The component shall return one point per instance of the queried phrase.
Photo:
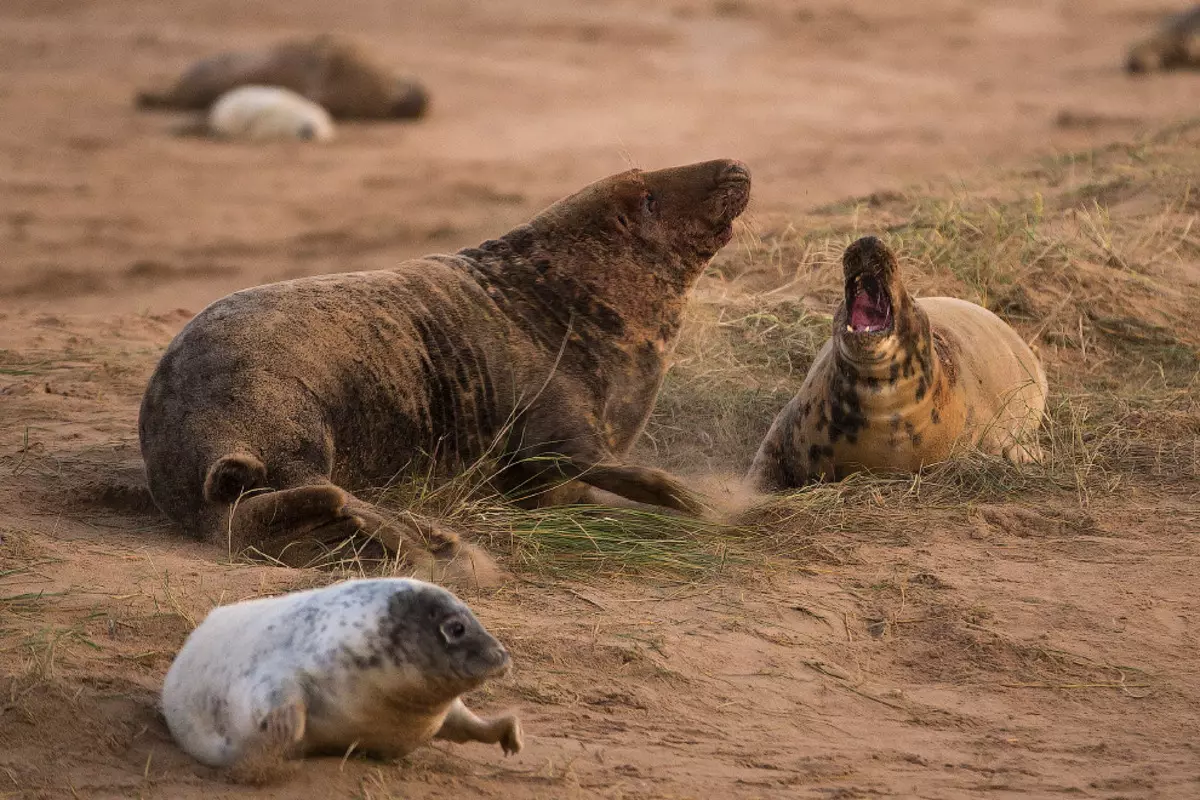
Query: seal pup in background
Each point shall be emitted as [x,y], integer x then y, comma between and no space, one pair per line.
[542,350]
[379,665]
[259,113]
[331,71]
[902,384]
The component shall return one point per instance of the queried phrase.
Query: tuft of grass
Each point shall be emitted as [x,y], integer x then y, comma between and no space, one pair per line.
[588,541]
[567,541]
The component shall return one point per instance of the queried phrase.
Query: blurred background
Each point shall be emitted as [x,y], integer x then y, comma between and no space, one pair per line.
[105,208]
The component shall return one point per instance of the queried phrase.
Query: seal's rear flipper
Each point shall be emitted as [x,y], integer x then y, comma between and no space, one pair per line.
[151,100]
[233,475]
[644,485]
[321,524]
[266,754]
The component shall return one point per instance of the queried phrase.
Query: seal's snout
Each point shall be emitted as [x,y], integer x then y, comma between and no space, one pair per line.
[733,181]
[500,660]
[868,267]
[735,171]
[491,660]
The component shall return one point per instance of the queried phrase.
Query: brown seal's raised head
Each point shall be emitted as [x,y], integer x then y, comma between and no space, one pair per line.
[637,241]
[679,216]
[878,321]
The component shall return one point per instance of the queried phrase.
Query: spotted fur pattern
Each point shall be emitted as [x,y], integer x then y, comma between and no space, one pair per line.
[380,663]
[950,374]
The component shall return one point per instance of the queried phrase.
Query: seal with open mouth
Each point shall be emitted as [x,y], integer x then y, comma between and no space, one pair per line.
[902,384]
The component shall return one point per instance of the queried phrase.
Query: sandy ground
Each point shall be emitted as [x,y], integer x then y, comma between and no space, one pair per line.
[1070,666]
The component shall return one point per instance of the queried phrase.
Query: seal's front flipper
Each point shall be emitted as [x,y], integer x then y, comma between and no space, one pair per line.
[461,725]
[265,756]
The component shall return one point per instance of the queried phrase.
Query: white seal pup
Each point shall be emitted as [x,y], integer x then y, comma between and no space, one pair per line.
[259,113]
[377,664]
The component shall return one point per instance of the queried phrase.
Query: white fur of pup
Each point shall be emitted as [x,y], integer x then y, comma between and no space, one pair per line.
[259,113]
[376,664]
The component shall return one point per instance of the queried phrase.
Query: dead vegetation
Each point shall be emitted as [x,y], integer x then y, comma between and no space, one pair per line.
[1086,255]
[1092,257]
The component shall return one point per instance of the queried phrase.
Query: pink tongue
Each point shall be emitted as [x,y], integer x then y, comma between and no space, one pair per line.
[867,314]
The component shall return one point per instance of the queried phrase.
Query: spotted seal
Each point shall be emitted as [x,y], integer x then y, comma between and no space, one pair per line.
[903,383]
[377,664]
[541,352]
[258,113]
[1175,45]
[332,71]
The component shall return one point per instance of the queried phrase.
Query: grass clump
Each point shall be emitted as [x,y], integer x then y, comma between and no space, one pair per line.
[577,541]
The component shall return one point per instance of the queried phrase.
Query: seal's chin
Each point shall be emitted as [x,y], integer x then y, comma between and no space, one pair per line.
[868,306]
[724,235]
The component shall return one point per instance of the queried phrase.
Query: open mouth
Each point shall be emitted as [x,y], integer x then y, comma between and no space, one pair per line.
[869,308]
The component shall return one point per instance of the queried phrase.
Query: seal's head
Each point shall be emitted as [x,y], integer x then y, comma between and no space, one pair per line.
[433,631]
[408,100]
[878,319]
[638,236]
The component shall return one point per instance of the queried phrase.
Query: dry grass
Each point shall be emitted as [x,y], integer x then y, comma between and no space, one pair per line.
[570,542]
[1085,255]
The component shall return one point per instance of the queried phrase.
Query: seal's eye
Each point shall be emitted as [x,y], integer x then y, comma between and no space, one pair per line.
[453,630]
[650,204]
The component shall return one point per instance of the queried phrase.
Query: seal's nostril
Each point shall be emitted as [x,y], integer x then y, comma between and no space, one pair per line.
[736,171]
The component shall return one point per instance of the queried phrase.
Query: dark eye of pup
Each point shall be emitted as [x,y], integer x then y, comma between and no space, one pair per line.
[453,630]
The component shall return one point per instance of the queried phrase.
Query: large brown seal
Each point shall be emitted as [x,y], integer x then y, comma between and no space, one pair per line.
[329,70]
[1175,45]
[543,350]
[902,384]
[378,665]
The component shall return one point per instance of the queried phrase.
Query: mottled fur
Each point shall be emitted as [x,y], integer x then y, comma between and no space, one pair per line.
[949,374]
[1175,45]
[329,70]
[375,664]
[543,349]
